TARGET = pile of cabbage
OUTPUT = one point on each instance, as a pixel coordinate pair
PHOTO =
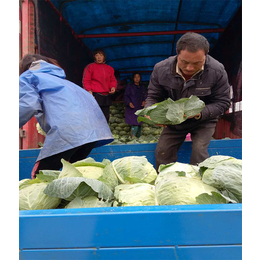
(133, 181)
(121, 130)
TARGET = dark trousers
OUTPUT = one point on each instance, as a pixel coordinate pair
(172, 138)
(106, 110)
(54, 162)
(104, 101)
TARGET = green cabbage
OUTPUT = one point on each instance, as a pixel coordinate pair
(225, 174)
(134, 169)
(32, 197)
(71, 184)
(87, 202)
(180, 169)
(179, 190)
(169, 112)
(138, 194)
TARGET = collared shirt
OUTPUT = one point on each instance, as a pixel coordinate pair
(178, 71)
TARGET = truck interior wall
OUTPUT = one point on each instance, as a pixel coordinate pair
(228, 51)
(56, 40)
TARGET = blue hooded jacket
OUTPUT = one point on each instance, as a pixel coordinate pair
(68, 114)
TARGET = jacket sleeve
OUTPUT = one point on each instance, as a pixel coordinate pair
(220, 97)
(127, 95)
(144, 93)
(113, 81)
(30, 103)
(86, 79)
(156, 93)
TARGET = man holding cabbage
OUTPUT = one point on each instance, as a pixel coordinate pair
(191, 72)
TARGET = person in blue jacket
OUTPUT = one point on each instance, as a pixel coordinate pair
(70, 116)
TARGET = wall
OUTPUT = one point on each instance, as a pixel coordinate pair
(228, 51)
(55, 39)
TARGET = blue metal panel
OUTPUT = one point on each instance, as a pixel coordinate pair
(191, 232)
(233, 252)
(138, 253)
(131, 226)
(144, 253)
(232, 147)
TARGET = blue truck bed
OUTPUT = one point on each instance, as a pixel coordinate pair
(190, 232)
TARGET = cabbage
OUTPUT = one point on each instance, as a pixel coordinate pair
(40, 130)
(87, 202)
(133, 181)
(91, 172)
(71, 184)
(169, 112)
(32, 197)
(90, 169)
(134, 169)
(180, 169)
(138, 194)
(178, 190)
(225, 174)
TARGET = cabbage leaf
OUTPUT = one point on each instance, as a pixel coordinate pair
(138, 194)
(87, 202)
(169, 112)
(175, 190)
(32, 197)
(134, 169)
(69, 188)
(225, 174)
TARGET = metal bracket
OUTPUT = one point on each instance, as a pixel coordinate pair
(23, 133)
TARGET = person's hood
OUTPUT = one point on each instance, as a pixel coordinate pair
(41, 66)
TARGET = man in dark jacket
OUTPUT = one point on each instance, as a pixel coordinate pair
(191, 72)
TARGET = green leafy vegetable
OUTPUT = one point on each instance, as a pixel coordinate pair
(175, 190)
(87, 202)
(138, 194)
(71, 187)
(225, 174)
(214, 198)
(32, 197)
(171, 112)
(134, 169)
(180, 169)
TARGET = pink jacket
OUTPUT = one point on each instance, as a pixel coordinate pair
(99, 78)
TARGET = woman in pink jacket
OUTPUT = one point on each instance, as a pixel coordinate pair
(99, 80)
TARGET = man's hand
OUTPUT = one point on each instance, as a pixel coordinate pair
(112, 91)
(198, 116)
(156, 124)
(143, 103)
(90, 92)
(131, 105)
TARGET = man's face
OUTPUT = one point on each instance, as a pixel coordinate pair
(191, 62)
(99, 58)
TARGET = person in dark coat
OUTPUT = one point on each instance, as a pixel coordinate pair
(134, 98)
(191, 72)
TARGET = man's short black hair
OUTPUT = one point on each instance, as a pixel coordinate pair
(192, 42)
